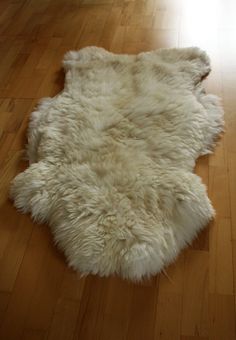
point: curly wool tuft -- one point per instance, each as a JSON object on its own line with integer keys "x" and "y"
{"x": 112, "y": 158}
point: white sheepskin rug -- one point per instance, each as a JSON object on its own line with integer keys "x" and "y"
{"x": 112, "y": 159}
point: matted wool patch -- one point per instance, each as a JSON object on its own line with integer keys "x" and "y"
{"x": 112, "y": 159}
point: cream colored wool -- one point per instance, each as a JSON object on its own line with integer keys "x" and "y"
{"x": 111, "y": 159}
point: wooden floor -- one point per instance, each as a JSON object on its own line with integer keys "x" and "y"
{"x": 40, "y": 298}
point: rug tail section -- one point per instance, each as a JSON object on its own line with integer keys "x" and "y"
{"x": 193, "y": 212}
{"x": 189, "y": 211}
{"x": 133, "y": 242}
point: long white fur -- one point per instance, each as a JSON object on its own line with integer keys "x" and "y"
{"x": 111, "y": 159}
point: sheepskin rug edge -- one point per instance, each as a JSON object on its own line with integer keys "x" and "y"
{"x": 112, "y": 158}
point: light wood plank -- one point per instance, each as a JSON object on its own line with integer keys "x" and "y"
{"x": 195, "y": 294}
